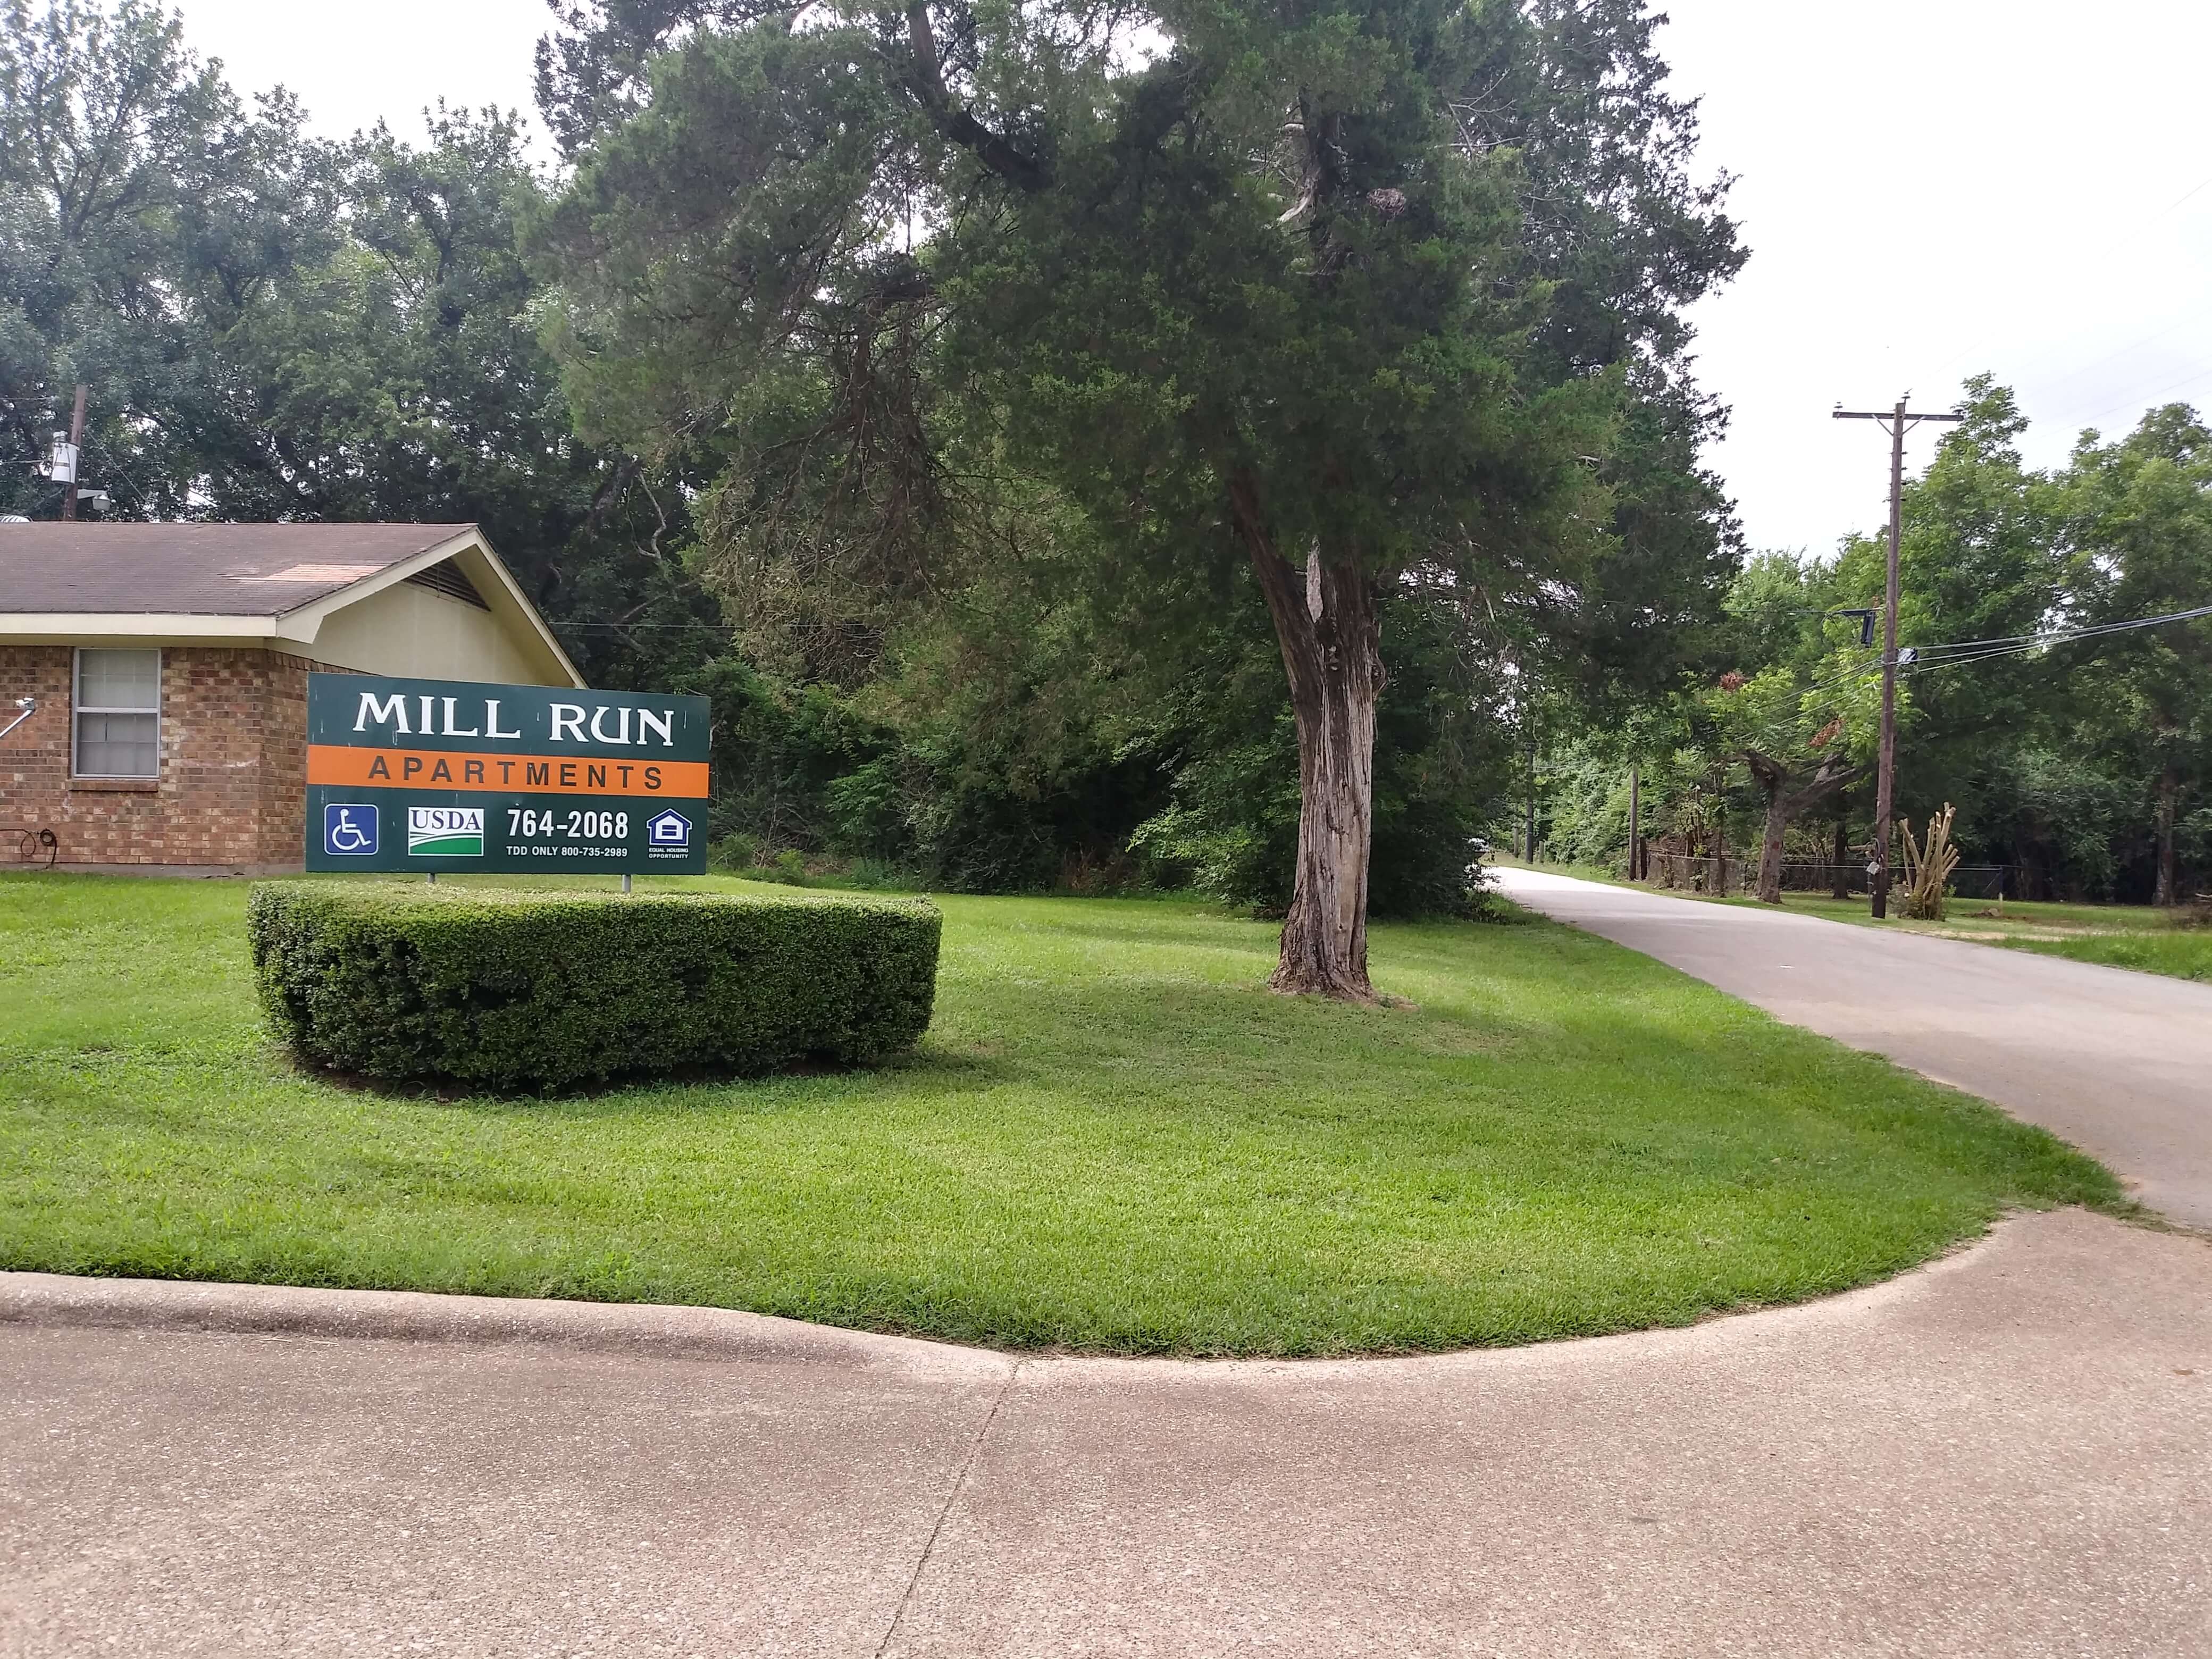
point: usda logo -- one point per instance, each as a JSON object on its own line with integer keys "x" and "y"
{"x": 448, "y": 832}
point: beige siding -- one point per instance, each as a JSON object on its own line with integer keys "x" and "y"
{"x": 411, "y": 633}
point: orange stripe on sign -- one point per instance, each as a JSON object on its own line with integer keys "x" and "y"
{"x": 505, "y": 775}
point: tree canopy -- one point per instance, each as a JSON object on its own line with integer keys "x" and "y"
{"x": 1250, "y": 447}
{"x": 2047, "y": 696}
{"x": 1327, "y": 306}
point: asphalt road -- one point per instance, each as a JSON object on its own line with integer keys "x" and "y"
{"x": 2118, "y": 1063}
{"x": 2004, "y": 1454}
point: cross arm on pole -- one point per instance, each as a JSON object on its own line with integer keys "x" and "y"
{"x": 1888, "y": 414}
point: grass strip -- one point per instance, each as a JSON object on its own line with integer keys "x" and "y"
{"x": 1113, "y": 1140}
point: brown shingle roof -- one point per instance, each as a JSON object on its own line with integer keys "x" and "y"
{"x": 197, "y": 569}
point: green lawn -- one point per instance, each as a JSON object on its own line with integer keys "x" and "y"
{"x": 1113, "y": 1140}
{"x": 2118, "y": 935}
{"x": 2135, "y": 936}
{"x": 2179, "y": 952}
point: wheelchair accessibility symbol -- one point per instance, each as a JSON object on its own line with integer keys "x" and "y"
{"x": 349, "y": 831}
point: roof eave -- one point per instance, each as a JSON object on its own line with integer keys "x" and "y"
{"x": 24, "y": 627}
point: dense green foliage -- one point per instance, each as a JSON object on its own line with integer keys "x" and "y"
{"x": 1110, "y": 1139}
{"x": 144, "y": 212}
{"x": 504, "y": 988}
{"x": 937, "y": 518}
{"x": 2081, "y": 760}
{"x": 272, "y": 326}
{"x": 938, "y": 637}
{"x": 2138, "y": 514}
{"x": 1030, "y": 367}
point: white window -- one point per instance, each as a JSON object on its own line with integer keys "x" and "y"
{"x": 118, "y": 714}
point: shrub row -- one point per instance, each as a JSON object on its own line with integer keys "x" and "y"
{"x": 506, "y": 988}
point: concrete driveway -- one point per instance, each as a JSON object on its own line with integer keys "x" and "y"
{"x": 2118, "y": 1063}
{"x": 2004, "y": 1454}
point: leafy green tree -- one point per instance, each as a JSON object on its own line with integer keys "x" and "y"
{"x": 271, "y": 327}
{"x": 1285, "y": 293}
{"x": 143, "y": 212}
{"x": 400, "y": 377}
{"x": 1805, "y": 719}
{"x": 397, "y": 377}
{"x": 2042, "y": 747}
{"x": 2139, "y": 512}
{"x": 1803, "y": 738}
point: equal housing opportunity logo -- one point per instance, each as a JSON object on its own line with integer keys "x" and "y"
{"x": 454, "y": 832}
{"x": 668, "y": 833}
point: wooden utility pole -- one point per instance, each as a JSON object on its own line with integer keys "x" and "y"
{"x": 1635, "y": 822}
{"x": 1897, "y": 423}
{"x": 76, "y": 455}
{"x": 1529, "y": 817}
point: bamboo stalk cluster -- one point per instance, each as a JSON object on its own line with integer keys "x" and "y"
{"x": 1927, "y": 866}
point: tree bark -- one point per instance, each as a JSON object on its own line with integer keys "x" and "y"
{"x": 2169, "y": 865}
{"x": 1784, "y": 807}
{"x": 1330, "y": 633}
{"x": 1839, "y": 884}
{"x": 1771, "y": 776}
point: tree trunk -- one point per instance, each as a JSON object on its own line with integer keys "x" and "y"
{"x": 1785, "y": 805}
{"x": 1771, "y": 780}
{"x": 1528, "y": 817}
{"x": 1839, "y": 886}
{"x": 1635, "y": 822}
{"x": 2169, "y": 866}
{"x": 1770, "y": 776}
{"x": 1331, "y": 638}
{"x": 1770, "y": 852}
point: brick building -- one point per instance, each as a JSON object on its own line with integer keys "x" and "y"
{"x": 154, "y": 676}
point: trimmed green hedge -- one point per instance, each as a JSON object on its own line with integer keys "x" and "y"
{"x": 507, "y": 988}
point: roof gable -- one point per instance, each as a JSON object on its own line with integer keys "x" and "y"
{"x": 278, "y": 583}
{"x": 197, "y": 569}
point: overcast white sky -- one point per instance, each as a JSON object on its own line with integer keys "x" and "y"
{"x": 1928, "y": 188}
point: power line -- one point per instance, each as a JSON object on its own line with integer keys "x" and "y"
{"x": 1927, "y": 659}
{"x": 2185, "y": 195}
{"x": 2087, "y": 630}
{"x": 2108, "y": 247}
{"x": 2066, "y": 637}
{"x": 2191, "y": 315}
{"x": 2144, "y": 398}
{"x": 1873, "y": 666}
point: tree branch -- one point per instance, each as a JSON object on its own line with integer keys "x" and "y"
{"x": 1825, "y": 782}
{"x": 928, "y": 83}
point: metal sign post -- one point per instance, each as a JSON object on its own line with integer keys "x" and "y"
{"x": 430, "y": 775}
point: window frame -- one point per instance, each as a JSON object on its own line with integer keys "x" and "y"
{"x": 78, "y": 708}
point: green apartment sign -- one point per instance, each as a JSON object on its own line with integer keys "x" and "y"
{"x": 456, "y": 775}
